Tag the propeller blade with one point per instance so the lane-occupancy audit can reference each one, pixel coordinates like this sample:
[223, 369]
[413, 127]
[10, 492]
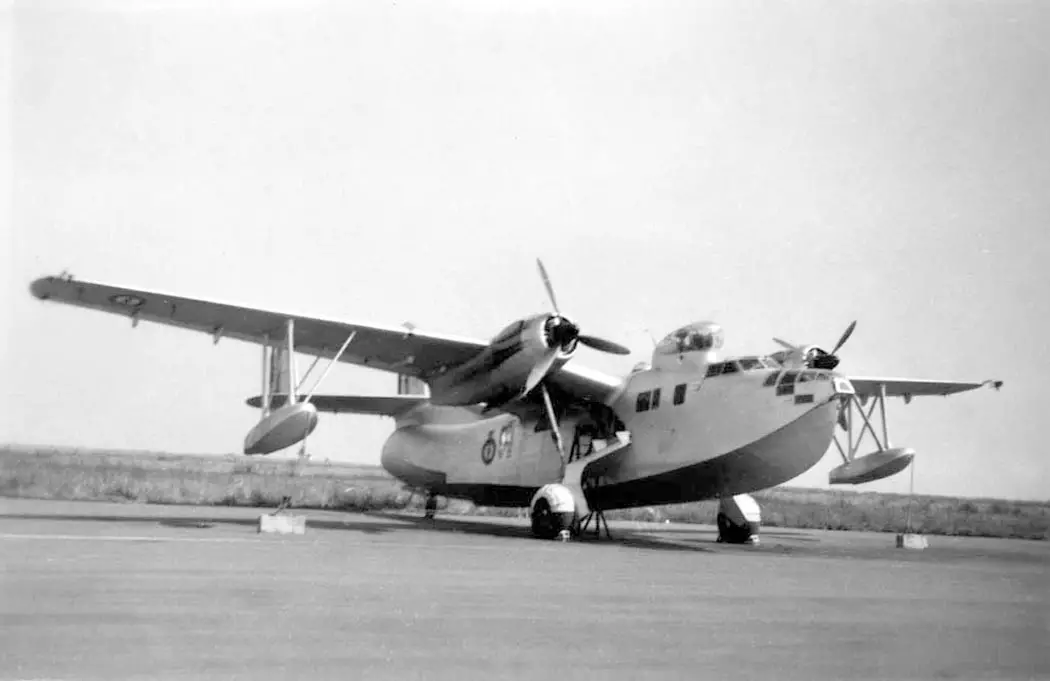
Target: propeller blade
[540, 371]
[604, 345]
[785, 344]
[845, 336]
[553, 420]
[547, 285]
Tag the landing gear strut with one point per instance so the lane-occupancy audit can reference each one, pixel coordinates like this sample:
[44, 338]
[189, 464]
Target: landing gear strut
[598, 516]
[430, 508]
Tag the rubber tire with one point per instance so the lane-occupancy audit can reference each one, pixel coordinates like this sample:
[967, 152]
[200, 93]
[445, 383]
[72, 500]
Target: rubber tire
[542, 520]
[731, 534]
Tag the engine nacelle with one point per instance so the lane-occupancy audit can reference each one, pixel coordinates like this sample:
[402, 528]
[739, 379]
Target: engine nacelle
[739, 519]
[553, 510]
[872, 467]
[281, 428]
[500, 373]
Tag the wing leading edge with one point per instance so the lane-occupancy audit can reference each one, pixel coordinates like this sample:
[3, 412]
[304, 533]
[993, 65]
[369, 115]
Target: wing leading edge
[402, 350]
[396, 349]
[909, 387]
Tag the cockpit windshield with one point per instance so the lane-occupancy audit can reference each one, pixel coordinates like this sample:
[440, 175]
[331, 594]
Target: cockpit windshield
[697, 337]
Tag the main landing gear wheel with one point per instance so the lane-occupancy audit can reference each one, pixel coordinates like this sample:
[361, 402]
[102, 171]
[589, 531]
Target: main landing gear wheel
[739, 519]
[548, 524]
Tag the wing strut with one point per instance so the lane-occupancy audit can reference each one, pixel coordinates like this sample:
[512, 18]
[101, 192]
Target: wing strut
[883, 462]
[293, 421]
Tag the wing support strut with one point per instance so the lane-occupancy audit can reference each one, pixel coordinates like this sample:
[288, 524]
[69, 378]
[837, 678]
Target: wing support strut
[852, 403]
[884, 461]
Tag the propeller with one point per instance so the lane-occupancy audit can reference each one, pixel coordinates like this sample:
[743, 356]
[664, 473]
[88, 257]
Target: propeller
[552, 420]
[821, 359]
[563, 333]
[845, 337]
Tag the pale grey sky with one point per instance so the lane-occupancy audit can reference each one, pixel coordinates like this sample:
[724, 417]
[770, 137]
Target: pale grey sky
[782, 168]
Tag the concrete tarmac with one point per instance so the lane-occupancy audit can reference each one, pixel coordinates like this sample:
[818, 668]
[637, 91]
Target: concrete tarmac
[127, 591]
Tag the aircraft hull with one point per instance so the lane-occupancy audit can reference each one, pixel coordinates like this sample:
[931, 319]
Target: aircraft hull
[771, 460]
[421, 455]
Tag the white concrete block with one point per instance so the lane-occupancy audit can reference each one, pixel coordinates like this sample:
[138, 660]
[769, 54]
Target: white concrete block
[911, 541]
[282, 524]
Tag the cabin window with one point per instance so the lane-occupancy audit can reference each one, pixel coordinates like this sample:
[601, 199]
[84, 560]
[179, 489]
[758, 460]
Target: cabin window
[714, 369]
[679, 393]
[789, 377]
[655, 404]
[643, 402]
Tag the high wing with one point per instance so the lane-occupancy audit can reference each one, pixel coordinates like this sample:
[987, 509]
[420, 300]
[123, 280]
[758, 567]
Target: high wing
[909, 387]
[401, 350]
[396, 349]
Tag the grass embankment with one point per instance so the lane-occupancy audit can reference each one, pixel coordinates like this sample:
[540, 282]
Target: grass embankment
[151, 477]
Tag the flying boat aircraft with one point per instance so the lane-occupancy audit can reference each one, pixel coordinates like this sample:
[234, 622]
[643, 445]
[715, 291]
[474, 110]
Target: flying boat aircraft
[512, 422]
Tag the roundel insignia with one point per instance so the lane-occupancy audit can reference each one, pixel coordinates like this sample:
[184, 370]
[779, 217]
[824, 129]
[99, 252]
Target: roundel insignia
[127, 300]
[488, 450]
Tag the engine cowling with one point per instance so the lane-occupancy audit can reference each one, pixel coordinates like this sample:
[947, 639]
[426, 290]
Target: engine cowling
[520, 355]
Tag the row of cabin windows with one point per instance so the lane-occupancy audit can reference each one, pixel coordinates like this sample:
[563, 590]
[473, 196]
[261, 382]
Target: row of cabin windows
[743, 364]
[650, 399]
[799, 376]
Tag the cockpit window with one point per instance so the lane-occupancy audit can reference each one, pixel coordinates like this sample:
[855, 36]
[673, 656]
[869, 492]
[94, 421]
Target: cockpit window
[750, 363]
[789, 377]
[714, 369]
[730, 367]
[698, 337]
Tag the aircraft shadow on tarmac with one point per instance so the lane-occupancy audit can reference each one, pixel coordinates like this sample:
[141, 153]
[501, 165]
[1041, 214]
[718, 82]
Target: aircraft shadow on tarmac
[383, 523]
[203, 522]
[465, 525]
